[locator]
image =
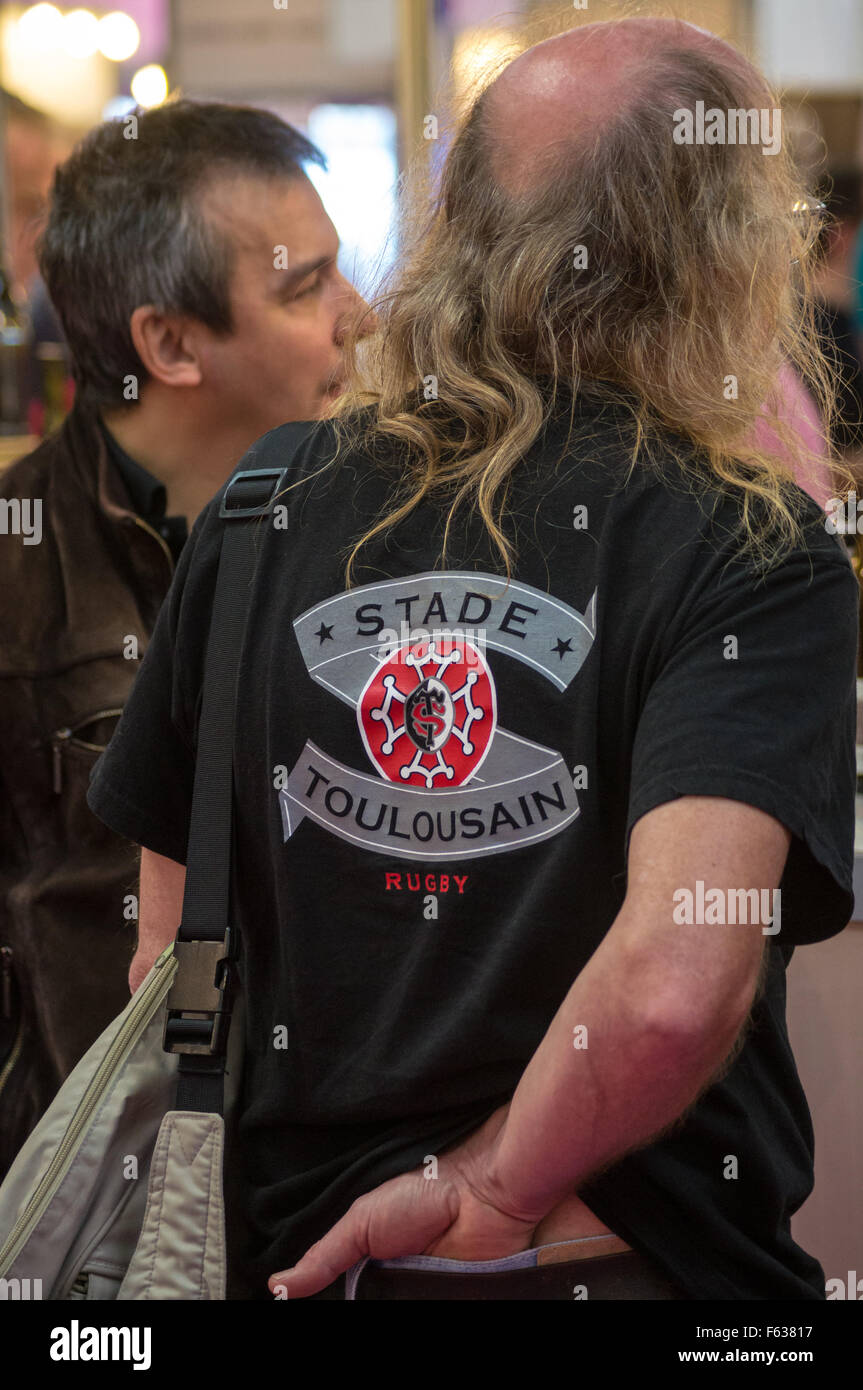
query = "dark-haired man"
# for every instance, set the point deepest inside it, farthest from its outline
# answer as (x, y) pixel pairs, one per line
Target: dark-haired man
(193, 267)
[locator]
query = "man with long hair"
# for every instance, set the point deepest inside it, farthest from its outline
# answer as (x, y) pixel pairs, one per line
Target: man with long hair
(546, 761)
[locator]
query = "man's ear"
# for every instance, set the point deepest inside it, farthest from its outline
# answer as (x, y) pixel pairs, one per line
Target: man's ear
(165, 346)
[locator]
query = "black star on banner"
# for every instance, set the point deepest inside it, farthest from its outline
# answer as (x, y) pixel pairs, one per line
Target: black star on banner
(324, 633)
(563, 647)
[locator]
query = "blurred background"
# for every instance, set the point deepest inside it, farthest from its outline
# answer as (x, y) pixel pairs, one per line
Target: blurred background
(360, 77)
(368, 80)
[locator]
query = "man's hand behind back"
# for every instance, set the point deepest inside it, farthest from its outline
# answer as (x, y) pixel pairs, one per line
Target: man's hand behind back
(454, 1215)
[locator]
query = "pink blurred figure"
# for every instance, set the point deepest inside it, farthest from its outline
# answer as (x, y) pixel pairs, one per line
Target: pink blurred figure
(798, 409)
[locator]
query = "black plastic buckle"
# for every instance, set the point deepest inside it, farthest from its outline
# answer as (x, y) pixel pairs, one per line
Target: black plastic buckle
(227, 510)
(198, 1005)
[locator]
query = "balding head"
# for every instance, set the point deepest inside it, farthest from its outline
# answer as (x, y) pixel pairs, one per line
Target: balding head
(614, 258)
(563, 92)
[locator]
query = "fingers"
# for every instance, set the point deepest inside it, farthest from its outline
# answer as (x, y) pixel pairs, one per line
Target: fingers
(401, 1217)
(323, 1262)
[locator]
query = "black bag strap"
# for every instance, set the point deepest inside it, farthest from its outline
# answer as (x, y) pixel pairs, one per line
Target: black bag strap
(206, 946)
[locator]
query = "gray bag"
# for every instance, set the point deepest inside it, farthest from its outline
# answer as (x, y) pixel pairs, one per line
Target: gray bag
(127, 1200)
(118, 1192)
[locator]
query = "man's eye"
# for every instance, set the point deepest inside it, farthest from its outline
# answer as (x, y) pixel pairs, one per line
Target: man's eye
(310, 290)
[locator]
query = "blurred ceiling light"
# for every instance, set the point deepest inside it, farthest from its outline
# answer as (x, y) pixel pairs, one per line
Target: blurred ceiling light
(150, 85)
(40, 26)
(479, 55)
(70, 90)
(80, 35)
(119, 36)
(118, 107)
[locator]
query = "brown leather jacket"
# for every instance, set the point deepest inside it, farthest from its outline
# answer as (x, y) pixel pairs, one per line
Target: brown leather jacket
(68, 606)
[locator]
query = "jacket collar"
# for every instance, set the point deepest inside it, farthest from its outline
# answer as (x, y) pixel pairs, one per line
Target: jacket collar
(147, 495)
(85, 446)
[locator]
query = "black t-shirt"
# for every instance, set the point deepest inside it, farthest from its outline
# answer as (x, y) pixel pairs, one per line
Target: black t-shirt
(432, 823)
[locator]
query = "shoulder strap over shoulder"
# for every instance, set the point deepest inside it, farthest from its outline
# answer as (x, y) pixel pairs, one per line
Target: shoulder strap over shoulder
(198, 1006)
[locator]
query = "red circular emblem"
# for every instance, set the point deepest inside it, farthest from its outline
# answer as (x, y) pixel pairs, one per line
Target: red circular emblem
(428, 713)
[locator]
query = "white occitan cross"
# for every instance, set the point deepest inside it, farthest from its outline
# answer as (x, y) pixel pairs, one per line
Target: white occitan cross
(471, 713)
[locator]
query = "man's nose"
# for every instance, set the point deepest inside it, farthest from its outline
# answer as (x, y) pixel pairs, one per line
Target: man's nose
(355, 310)
(370, 323)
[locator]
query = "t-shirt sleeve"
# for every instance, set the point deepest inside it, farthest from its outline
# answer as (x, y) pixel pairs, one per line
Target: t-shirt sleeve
(755, 700)
(141, 786)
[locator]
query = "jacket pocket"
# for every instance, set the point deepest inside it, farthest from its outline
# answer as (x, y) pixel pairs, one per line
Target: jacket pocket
(80, 744)
(74, 752)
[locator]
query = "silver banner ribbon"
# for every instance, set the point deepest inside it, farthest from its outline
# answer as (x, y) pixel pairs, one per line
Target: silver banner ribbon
(523, 792)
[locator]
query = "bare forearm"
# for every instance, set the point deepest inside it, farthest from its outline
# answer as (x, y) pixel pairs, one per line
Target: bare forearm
(618, 1064)
(162, 884)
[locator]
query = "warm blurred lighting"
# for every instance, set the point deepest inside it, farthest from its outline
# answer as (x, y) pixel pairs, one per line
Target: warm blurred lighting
(150, 85)
(119, 36)
(80, 36)
(118, 107)
(40, 26)
(37, 67)
(479, 55)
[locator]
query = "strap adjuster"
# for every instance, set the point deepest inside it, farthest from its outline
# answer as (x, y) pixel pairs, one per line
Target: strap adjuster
(198, 1004)
(232, 505)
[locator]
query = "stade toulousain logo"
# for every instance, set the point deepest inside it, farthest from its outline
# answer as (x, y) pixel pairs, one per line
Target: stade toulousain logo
(442, 778)
(428, 714)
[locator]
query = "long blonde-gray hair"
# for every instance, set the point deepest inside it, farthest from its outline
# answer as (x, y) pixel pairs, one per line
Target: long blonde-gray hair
(697, 274)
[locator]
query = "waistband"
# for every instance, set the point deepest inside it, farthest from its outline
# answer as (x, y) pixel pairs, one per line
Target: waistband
(601, 1266)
